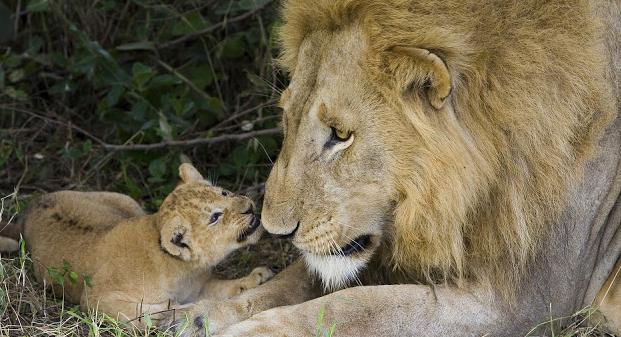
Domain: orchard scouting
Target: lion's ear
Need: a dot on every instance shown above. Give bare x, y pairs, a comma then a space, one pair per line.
176, 237
437, 77
189, 173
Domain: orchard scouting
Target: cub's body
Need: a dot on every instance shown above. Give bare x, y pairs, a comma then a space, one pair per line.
139, 263
81, 228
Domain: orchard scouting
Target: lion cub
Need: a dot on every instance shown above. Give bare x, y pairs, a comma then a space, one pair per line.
143, 263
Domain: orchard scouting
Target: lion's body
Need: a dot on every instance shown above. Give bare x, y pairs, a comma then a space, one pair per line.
472, 145
129, 265
479, 182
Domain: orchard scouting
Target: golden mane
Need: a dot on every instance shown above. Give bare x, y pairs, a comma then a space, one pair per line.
529, 114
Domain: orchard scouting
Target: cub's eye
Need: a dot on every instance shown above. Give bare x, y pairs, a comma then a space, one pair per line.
225, 193
215, 217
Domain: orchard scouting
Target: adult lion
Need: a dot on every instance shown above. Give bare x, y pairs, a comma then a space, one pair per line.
469, 145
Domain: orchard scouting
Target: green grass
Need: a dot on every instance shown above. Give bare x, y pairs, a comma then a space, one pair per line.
28, 308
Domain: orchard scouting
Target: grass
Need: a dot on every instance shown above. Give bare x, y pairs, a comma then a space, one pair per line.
28, 308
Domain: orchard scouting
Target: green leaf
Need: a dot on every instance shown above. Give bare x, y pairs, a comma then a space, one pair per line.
165, 129
240, 6
16, 75
73, 277
84, 65
87, 146
163, 81
201, 76
114, 94
226, 170
34, 45
12, 60
38, 6
189, 24
139, 110
56, 276
22, 248
88, 280
141, 74
66, 265
17, 94
240, 156
214, 104
157, 168
252, 4
133, 189
140, 45
233, 47
2, 78
62, 87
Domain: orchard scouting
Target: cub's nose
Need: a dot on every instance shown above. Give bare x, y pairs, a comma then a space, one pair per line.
245, 205
249, 210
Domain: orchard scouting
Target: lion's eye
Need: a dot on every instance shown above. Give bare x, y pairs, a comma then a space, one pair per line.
225, 193
215, 217
338, 136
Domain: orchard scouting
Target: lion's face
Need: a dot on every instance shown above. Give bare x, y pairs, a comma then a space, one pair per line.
204, 223
329, 186
450, 149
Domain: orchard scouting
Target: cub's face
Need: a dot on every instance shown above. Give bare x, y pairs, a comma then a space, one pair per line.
204, 223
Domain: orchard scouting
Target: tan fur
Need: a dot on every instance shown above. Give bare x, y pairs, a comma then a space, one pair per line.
476, 181
141, 263
608, 303
480, 193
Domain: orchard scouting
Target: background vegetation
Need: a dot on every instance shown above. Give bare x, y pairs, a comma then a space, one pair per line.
110, 94
113, 95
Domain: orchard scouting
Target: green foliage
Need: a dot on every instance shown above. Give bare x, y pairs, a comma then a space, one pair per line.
76, 77
58, 275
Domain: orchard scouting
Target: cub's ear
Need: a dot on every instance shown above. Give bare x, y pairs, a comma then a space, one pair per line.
189, 173
435, 74
176, 237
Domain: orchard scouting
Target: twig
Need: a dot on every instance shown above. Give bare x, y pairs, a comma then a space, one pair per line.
57, 122
211, 28
155, 146
245, 112
182, 78
192, 142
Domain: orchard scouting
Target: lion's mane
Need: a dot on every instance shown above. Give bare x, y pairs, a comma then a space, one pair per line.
529, 111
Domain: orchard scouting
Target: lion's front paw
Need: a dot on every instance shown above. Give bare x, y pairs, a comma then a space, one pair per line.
274, 322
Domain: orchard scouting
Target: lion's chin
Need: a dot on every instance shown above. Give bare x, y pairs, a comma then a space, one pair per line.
335, 271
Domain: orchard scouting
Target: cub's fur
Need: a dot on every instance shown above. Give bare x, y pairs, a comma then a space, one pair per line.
142, 263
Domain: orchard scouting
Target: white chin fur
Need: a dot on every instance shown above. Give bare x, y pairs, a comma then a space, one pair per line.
336, 272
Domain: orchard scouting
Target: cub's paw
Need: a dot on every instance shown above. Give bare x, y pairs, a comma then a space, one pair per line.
207, 317
261, 275
191, 323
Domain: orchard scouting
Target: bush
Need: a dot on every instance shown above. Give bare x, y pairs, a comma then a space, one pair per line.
112, 94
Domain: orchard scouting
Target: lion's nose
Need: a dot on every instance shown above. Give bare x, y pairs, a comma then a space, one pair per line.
287, 235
